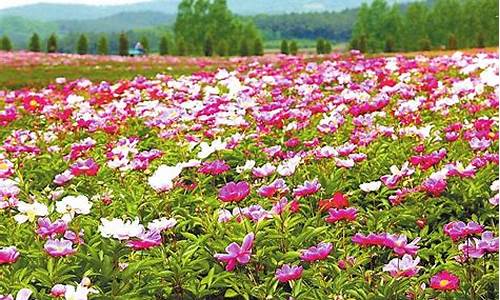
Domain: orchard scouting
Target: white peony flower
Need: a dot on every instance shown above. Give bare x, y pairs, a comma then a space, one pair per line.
28, 211
69, 206
370, 186
119, 229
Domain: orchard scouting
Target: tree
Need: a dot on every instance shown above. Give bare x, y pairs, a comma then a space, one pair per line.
244, 47
327, 49
221, 49
452, 42
52, 44
6, 44
102, 46
362, 44
258, 47
425, 44
145, 43
34, 45
480, 40
320, 46
390, 44
284, 47
180, 46
208, 46
83, 45
293, 48
123, 44
164, 49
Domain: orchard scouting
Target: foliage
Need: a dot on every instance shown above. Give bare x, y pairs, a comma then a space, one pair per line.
451, 23
52, 44
82, 46
35, 43
123, 44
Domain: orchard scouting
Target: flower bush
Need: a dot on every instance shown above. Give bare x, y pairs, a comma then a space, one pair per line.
341, 177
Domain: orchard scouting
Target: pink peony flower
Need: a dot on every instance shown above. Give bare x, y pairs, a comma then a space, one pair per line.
234, 192
236, 254
318, 252
214, 168
288, 273
58, 291
146, 240
346, 214
48, 229
308, 188
445, 281
8, 255
86, 167
404, 267
59, 248
458, 230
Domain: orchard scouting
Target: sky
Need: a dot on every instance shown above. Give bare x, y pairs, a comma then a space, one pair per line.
10, 3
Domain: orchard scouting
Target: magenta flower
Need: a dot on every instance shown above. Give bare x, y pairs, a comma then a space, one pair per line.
146, 240
445, 281
308, 188
434, 186
48, 229
236, 254
371, 239
288, 273
477, 248
278, 186
58, 290
404, 267
59, 248
214, 168
8, 255
234, 192
458, 230
399, 244
318, 252
86, 167
346, 214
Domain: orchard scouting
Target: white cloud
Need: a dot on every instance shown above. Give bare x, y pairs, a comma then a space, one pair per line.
11, 3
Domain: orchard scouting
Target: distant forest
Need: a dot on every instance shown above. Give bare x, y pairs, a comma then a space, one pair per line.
423, 25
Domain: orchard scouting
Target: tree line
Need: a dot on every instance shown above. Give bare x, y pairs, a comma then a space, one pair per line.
83, 46
205, 27
444, 24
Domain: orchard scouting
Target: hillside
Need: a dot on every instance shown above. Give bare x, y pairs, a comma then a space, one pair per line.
52, 12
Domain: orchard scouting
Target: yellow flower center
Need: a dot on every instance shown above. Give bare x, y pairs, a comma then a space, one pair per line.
443, 283
4, 166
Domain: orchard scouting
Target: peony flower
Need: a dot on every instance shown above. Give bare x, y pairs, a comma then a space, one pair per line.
336, 215
59, 248
445, 281
214, 168
58, 290
404, 267
234, 192
338, 200
86, 167
264, 171
48, 229
288, 273
119, 229
318, 252
370, 186
162, 178
459, 230
162, 224
28, 211
146, 240
308, 188
69, 206
8, 255
236, 254
63, 178
23, 294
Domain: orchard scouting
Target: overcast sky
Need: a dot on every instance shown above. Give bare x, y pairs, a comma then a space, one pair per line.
10, 3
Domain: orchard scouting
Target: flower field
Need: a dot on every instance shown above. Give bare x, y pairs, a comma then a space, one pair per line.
344, 177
